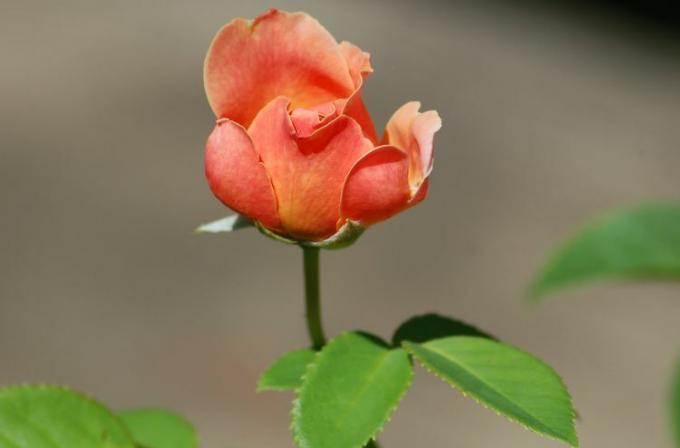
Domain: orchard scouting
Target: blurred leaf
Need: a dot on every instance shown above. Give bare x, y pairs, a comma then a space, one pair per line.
433, 326
228, 224
286, 372
638, 243
155, 428
505, 379
56, 417
675, 405
350, 390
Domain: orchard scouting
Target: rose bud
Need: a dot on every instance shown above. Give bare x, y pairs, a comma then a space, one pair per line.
294, 148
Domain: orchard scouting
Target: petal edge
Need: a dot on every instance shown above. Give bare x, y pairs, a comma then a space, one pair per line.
377, 187
236, 175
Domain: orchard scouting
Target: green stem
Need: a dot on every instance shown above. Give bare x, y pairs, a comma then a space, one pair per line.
312, 296
310, 256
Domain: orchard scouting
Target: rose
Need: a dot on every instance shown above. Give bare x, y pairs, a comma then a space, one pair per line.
294, 147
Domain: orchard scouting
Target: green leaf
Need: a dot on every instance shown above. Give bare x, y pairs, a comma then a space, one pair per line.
286, 372
228, 224
433, 326
503, 378
349, 392
637, 243
156, 428
675, 406
56, 417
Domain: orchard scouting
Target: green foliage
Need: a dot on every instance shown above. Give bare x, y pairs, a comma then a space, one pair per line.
349, 392
433, 326
55, 417
286, 372
503, 378
675, 405
155, 428
636, 243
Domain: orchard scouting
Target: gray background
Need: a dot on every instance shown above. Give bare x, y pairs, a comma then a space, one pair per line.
549, 116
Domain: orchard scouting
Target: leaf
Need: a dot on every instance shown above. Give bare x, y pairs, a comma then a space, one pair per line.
675, 406
637, 243
286, 372
503, 378
228, 224
156, 428
349, 392
56, 417
433, 326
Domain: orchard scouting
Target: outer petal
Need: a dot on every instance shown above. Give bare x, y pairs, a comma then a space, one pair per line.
236, 175
308, 174
277, 54
413, 132
359, 63
377, 186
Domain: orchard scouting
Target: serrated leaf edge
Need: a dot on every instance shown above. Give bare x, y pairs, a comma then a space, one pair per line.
492, 408
295, 411
89, 398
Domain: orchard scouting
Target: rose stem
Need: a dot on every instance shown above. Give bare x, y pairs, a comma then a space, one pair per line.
310, 256
312, 296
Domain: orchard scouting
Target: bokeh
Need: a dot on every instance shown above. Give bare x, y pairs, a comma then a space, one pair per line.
552, 112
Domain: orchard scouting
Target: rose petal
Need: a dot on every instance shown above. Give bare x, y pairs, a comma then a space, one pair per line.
355, 108
305, 121
308, 174
424, 126
359, 63
278, 54
377, 187
236, 175
413, 132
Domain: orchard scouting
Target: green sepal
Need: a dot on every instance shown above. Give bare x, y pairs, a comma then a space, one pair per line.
229, 224
157, 428
350, 391
504, 379
275, 236
344, 237
286, 373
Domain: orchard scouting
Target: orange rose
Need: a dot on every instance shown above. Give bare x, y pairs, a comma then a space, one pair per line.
294, 148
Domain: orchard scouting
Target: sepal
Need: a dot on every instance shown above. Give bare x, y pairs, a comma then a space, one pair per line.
229, 224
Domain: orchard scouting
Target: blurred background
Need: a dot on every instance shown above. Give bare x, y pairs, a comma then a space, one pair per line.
552, 112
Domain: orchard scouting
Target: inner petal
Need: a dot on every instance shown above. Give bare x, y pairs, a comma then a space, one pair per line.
308, 173
278, 54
